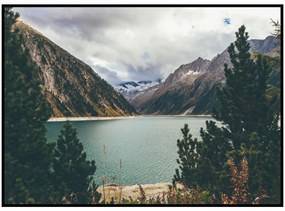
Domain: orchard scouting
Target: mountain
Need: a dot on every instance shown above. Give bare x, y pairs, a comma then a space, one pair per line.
268, 46
131, 88
183, 75
72, 87
187, 73
191, 88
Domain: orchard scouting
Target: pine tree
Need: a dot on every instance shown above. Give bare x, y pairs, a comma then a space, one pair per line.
27, 154
250, 118
188, 159
249, 127
72, 171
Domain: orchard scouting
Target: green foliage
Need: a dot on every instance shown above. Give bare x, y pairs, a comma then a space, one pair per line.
188, 159
27, 154
273, 94
250, 117
72, 171
273, 85
250, 128
243, 98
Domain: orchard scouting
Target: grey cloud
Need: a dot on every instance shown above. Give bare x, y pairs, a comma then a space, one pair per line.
85, 20
112, 77
140, 73
146, 56
217, 44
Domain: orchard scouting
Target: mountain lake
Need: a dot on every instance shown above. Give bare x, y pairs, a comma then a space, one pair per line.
140, 150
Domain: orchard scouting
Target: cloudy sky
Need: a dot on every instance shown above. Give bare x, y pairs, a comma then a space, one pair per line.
123, 44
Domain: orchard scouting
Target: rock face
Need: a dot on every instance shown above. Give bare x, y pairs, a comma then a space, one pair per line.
72, 87
267, 46
187, 73
172, 96
191, 88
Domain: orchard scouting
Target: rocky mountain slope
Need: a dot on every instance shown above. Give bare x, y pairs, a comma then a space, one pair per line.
191, 88
268, 46
72, 87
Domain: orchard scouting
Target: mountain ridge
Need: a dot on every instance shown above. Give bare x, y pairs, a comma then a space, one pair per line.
72, 87
194, 94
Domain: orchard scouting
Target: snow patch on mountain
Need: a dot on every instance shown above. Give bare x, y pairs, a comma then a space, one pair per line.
191, 72
133, 87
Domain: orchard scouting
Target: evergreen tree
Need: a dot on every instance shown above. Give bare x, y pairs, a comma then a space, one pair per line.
188, 159
250, 127
27, 154
250, 118
72, 171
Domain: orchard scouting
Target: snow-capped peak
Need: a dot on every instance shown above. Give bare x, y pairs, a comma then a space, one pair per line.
136, 86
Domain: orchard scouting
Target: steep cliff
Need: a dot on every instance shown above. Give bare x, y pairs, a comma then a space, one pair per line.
71, 86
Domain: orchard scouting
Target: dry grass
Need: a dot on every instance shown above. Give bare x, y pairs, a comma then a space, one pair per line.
118, 192
161, 193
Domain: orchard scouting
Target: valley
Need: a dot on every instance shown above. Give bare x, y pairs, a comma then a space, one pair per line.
142, 106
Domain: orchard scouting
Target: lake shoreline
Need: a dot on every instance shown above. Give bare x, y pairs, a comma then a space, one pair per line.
133, 191
64, 119
93, 118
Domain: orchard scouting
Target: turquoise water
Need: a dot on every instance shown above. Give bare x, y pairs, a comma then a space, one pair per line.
132, 151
